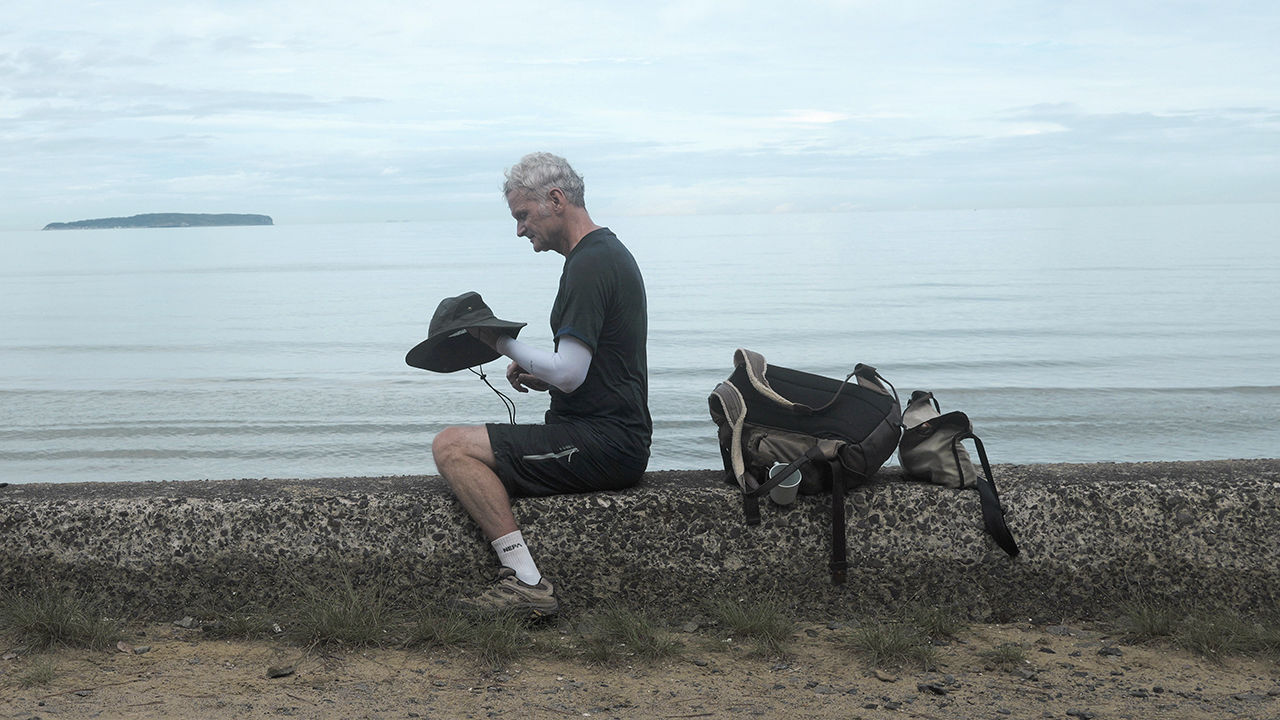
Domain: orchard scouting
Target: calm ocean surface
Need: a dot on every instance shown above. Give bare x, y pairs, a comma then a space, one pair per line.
1074, 335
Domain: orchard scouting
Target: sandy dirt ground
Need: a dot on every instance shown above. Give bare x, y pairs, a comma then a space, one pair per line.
1068, 672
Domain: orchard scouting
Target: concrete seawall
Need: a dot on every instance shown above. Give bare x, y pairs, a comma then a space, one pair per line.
1091, 536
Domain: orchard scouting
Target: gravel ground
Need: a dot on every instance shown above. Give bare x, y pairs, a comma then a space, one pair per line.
1068, 672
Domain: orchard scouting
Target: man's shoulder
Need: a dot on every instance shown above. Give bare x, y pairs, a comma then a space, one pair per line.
599, 247
598, 240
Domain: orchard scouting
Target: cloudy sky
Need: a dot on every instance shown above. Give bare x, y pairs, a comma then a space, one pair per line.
324, 111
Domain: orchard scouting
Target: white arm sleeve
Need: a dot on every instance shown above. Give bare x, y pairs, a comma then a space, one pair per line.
565, 368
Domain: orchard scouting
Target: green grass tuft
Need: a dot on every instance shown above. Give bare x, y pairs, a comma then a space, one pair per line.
41, 672
1212, 632
893, 644
764, 621
495, 640
44, 620
343, 614
1216, 634
441, 628
500, 639
619, 633
1148, 620
934, 622
242, 625
1005, 656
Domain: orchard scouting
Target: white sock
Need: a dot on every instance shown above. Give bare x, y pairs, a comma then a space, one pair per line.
513, 553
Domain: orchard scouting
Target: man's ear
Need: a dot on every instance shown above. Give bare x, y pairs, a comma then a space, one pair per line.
557, 199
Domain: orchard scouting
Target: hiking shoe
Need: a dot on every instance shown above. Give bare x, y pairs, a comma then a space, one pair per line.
510, 595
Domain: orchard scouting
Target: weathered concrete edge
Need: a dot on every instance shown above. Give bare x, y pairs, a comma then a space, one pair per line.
1092, 535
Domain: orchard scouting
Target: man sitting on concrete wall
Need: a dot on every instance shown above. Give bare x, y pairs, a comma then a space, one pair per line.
598, 429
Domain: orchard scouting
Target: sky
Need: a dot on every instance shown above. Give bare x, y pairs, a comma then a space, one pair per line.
379, 110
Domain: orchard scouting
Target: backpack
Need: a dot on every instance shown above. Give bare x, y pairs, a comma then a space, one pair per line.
836, 433
931, 451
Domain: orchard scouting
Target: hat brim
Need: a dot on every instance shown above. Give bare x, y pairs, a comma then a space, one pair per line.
454, 349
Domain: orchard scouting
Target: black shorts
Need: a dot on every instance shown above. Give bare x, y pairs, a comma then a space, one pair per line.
538, 460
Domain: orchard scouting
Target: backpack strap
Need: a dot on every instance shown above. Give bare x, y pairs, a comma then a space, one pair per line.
992, 512
735, 412
756, 367
839, 552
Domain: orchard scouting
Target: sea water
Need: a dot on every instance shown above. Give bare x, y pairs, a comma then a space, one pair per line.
1067, 335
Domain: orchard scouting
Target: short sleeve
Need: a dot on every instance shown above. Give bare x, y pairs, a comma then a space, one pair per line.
585, 300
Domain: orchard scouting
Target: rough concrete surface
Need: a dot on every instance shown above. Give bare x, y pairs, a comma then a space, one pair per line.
1091, 535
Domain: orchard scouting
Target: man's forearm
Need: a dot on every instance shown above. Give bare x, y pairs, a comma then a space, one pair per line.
565, 369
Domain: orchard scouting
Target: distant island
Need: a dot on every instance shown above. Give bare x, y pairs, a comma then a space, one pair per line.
164, 220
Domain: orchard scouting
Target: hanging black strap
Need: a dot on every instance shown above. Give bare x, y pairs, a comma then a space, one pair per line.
839, 485
839, 552
992, 512
751, 508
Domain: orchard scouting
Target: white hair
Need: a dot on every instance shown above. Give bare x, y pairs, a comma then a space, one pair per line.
537, 173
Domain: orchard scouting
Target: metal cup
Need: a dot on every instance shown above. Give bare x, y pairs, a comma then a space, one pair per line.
784, 493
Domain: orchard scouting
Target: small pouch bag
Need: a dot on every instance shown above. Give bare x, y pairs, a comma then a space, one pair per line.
931, 451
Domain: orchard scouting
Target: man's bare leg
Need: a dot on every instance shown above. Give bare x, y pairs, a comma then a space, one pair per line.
465, 459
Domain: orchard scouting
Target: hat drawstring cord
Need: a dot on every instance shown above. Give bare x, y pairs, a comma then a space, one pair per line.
506, 401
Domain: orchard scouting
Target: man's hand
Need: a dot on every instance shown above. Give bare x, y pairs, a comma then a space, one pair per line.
522, 381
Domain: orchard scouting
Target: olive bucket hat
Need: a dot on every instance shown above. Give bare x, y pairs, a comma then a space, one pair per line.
449, 347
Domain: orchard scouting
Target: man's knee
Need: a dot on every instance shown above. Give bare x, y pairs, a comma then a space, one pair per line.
460, 444
448, 445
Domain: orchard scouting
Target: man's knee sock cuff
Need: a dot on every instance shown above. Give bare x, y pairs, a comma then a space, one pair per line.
513, 553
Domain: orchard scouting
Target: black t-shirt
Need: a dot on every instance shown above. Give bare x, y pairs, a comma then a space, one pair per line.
602, 303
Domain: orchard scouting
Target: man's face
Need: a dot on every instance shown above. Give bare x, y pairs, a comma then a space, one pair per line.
534, 220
